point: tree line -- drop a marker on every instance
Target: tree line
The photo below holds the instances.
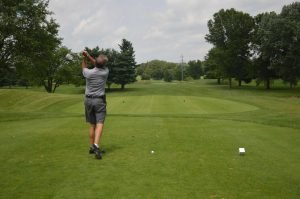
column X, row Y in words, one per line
column 32, row 52
column 168, row 71
column 262, row 48
column 245, row 48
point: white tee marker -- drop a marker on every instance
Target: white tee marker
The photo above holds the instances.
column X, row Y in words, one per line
column 242, row 151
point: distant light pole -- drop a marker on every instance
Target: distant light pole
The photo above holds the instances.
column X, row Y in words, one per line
column 181, row 67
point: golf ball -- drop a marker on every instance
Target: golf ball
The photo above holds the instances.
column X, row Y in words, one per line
column 152, row 152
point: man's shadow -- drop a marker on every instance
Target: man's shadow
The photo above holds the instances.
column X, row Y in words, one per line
column 110, row 149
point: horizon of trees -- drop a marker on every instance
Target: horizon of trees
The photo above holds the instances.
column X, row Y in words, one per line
column 245, row 48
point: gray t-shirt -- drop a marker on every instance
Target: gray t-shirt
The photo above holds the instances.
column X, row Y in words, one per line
column 95, row 80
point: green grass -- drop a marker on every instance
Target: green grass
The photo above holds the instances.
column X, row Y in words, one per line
column 195, row 129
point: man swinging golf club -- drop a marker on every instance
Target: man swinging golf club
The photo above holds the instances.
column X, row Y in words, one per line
column 95, row 99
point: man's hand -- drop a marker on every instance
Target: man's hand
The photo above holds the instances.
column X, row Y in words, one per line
column 89, row 57
column 85, row 53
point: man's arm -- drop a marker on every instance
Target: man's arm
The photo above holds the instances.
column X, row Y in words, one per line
column 89, row 57
column 84, row 63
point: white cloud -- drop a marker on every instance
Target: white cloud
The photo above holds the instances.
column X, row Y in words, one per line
column 123, row 30
column 159, row 29
column 155, row 33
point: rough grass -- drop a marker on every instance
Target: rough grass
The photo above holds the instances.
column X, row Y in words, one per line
column 195, row 129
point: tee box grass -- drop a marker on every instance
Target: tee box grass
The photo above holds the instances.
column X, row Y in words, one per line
column 194, row 129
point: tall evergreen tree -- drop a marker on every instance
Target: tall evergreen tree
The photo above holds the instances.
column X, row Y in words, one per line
column 112, row 56
column 125, row 64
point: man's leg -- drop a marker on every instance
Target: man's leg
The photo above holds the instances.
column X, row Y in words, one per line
column 92, row 133
column 92, row 137
column 100, row 112
column 98, row 133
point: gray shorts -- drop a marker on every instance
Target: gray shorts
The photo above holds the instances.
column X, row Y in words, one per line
column 95, row 110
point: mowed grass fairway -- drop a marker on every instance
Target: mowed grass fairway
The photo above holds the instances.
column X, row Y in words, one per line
column 195, row 129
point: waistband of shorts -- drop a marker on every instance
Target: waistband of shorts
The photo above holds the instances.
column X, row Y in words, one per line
column 95, row 96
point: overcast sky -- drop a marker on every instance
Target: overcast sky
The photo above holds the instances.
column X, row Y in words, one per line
column 158, row 29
